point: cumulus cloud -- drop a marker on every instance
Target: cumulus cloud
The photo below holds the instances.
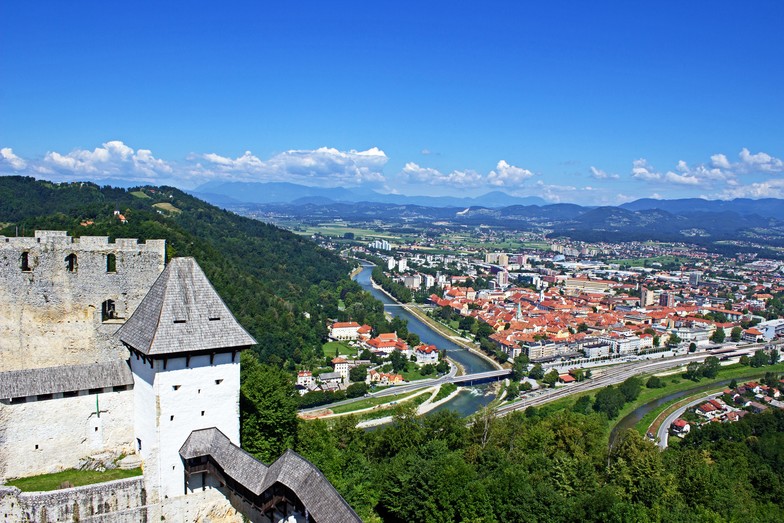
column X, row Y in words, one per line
column 113, row 160
column 504, row 175
column 324, row 166
column 7, row 157
column 718, row 170
column 773, row 188
column 413, row 172
column 602, row 175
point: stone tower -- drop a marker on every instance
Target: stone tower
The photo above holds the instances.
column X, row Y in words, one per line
column 185, row 360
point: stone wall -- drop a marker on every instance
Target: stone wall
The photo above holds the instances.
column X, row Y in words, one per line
column 39, row 437
column 52, row 305
column 121, row 501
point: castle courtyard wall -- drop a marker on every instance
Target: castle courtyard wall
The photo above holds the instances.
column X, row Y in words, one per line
column 44, row 436
column 50, row 315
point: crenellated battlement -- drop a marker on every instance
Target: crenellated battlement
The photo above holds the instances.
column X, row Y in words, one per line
column 61, row 238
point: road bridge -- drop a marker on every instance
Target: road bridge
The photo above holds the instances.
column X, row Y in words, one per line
column 480, row 377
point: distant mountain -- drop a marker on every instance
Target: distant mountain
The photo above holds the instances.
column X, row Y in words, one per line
column 223, row 193
column 766, row 207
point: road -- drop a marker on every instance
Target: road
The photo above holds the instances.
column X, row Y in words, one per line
column 610, row 376
column 663, row 433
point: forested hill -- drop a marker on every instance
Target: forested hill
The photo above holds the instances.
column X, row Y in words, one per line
column 282, row 287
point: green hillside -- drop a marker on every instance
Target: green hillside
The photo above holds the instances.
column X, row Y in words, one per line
column 282, row 287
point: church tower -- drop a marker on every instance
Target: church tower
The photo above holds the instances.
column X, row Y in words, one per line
column 185, row 357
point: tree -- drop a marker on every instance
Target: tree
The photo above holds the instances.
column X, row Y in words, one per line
column 512, row 391
column 745, row 360
column 442, row 367
column 759, row 359
column 582, row 405
column 692, row 347
column 609, row 401
column 674, row 339
column 655, row 382
column 736, row 334
column 718, row 336
column 268, row 409
column 774, row 356
column 582, row 327
column 520, row 367
column 631, row 388
column 693, row 371
column 710, row 367
column 356, row 390
column 526, row 386
column 656, row 341
column 358, row 373
column 551, row 378
column 537, row 372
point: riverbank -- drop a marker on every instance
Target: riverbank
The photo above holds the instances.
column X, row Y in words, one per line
column 444, row 331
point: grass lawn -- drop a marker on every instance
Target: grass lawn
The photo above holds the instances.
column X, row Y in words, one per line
column 371, row 402
column 140, row 194
column 166, row 206
column 77, row 478
column 674, row 383
column 445, row 390
column 343, row 348
column 414, row 373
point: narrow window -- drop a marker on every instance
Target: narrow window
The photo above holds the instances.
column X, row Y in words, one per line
column 218, row 382
column 71, row 263
column 111, row 263
column 24, row 262
column 202, row 413
column 171, row 418
column 95, row 391
column 36, row 447
column 138, row 444
column 108, row 310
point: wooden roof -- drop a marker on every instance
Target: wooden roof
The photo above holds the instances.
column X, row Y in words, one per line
column 310, row 486
column 182, row 312
column 68, row 378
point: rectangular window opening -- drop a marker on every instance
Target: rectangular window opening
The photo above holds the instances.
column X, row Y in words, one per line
column 202, row 413
column 171, row 418
column 179, row 321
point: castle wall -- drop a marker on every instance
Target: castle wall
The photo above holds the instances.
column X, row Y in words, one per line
column 182, row 398
column 43, row 436
column 121, row 501
column 52, row 316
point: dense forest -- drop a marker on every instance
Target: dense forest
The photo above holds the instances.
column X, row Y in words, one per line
column 280, row 286
column 552, row 467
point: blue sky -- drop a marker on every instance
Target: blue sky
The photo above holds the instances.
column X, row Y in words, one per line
column 594, row 103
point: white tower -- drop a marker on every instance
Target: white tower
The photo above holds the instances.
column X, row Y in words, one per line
column 185, row 360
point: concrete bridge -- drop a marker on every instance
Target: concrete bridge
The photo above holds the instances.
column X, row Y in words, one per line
column 479, row 377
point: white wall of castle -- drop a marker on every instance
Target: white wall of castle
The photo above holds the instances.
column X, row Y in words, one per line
column 50, row 316
column 171, row 403
column 44, row 436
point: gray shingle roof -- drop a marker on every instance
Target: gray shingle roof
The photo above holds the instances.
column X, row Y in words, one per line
column 182, row 313
column 307, row 482
column 69, row 378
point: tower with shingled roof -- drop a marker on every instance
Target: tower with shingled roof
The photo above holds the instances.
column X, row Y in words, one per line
column 185, row 357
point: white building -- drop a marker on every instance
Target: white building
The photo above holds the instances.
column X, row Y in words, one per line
column 426, row 354
column 346, row 330
column 771, row 328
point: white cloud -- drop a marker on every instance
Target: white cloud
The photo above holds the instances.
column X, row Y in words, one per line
column 773, row 188
column 642, row 170
column 504, row 175
column 323, row 167
column 113, row 160
column 602, row 175
column 718, row 170
column 556, row 193
column 8, row 157
column 418, row 174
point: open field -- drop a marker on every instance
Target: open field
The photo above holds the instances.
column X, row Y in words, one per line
column 166, row 206
column 140, row 194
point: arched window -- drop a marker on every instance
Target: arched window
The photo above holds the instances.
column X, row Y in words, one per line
column 24, row 262
column 111, row 263
column 71, row 263
column 108, row 311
